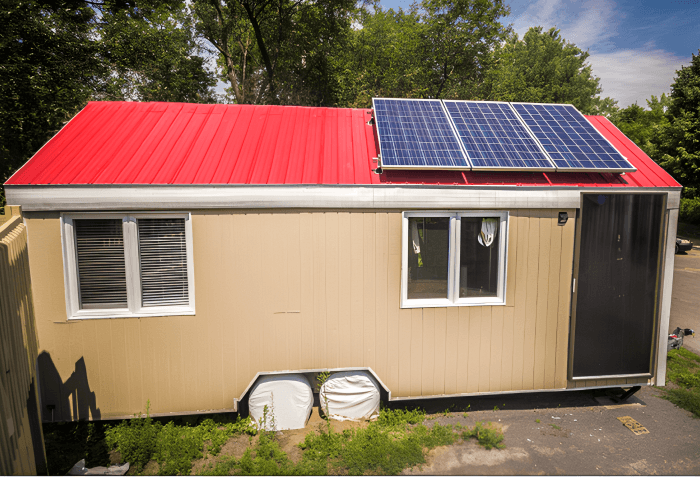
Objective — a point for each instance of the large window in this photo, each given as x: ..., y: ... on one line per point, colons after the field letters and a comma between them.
x: 453, y: 258
x: 120, y: 265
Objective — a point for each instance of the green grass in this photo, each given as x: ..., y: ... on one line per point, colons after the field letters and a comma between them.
x: 487, y: 436
x: 173, y: 446
x: 397, y: 440
x: 683, y: 369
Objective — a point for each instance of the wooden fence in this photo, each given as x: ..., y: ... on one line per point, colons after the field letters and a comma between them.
x: 21, y: 439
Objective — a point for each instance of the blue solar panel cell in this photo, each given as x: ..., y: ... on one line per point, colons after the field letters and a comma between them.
x: 495, y: 138
x: 569, y: 139
x: 417, y: 134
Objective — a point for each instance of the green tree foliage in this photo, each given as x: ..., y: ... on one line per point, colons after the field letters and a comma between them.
x: 152, y: 54
x: 49, y: 67
x: 681, y: 141
x: 435, y: 49
x: 544, y: 68
x: 276, y: 51
x: 56, y: 55
x: 645, y: 127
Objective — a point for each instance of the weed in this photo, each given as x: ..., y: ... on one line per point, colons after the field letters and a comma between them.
x: 487, y: 436
x: 683, y: 369
x: 466, y: 414
x: 399, y: 418
x: 135, y: 439
x: 686, y: 399
x: 68, y: 442
x: 495, y: 408
x: 554, y: 426
x: 174, y: 447
x: 537, y: 421
x: 321, y: 378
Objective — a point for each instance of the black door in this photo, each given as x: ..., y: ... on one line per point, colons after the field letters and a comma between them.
x: 618, y: 283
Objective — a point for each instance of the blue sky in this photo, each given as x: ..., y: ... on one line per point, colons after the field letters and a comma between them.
x: 636, y: 46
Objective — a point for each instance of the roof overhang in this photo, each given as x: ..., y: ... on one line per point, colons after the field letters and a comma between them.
x: 190, y: 197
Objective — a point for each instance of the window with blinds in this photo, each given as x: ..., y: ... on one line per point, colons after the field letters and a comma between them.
x: 99, y: 247
x: 121, y: 265
x: 163, y: 262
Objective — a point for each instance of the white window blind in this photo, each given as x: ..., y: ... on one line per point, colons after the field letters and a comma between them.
x: 101, y: 264
x: 126, y: 265
x: 163, y: 262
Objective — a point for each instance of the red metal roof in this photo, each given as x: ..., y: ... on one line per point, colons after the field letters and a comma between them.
x: 176, y: 143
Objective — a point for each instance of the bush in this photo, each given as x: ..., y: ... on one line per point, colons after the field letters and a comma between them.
x: 487, y: 436
x: 174, y: 447
x: 399, y: 418
x: 690, y: 211
x: 135, y: 439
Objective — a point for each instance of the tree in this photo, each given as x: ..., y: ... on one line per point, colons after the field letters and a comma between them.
x: 276, y: 51
x: 645, y: 127
x: 544, y: 68
x: 153, y: 55
x: 681, y: 142
x: 435, y: 49
x: 49, y: 66
x: 382, y: 58
x: 457, y: 41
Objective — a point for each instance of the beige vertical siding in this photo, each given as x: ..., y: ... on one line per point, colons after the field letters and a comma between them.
x: 21, y: 439
x: 295, y: 290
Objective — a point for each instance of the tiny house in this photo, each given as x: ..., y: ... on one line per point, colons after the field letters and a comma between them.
x: 179, y: 252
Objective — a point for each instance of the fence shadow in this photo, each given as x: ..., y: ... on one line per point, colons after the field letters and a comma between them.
x: 69, y: 400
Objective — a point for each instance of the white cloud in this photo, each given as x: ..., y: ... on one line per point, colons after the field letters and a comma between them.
x: 585, y: 24
x: 631, y: 76
x: 596, y: 22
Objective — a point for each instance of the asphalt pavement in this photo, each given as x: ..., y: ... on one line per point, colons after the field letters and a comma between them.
x: 578, y: 433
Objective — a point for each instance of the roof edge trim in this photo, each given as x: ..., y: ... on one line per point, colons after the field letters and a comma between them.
x: 71, y: 198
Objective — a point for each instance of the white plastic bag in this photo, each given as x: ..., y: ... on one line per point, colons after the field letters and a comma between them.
x: 489, y: 228
x: 289, y: 400
x: 350, y: 395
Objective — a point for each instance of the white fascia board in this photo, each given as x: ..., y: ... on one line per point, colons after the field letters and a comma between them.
x: 666, y: 291
x: 185, y: 197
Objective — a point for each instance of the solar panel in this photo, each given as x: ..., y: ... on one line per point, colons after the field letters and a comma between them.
x: 495, y: 138
x: 570, y: 140
x: 417, y: 134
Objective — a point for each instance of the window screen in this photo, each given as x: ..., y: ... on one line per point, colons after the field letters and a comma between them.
x: 163, y: 262
x: 101, y: 264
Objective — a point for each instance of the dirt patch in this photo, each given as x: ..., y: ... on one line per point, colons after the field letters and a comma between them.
x: 457, y: 458
x: 557, y: 431
x: 288, y: 440
x: 115, y: 457
x: 235, y: 447
x: 152, y: 468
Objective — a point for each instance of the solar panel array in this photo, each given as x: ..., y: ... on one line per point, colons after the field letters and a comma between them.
x: 494, y: 137
x: 569, y: 139
x: 489, y: 135
x: 417, y: 134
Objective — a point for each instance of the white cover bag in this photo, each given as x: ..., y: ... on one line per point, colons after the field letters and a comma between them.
x: 350, y: 396
x: 288, y: 397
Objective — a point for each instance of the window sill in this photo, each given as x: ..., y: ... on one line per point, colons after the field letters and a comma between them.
x: 111, y: 314
x: 446, y: 304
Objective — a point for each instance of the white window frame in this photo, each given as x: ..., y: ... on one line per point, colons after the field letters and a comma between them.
x: 453, y: 261
x: 132, y: 264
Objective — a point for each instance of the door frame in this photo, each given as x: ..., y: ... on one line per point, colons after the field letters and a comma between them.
x: 660, y: 264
